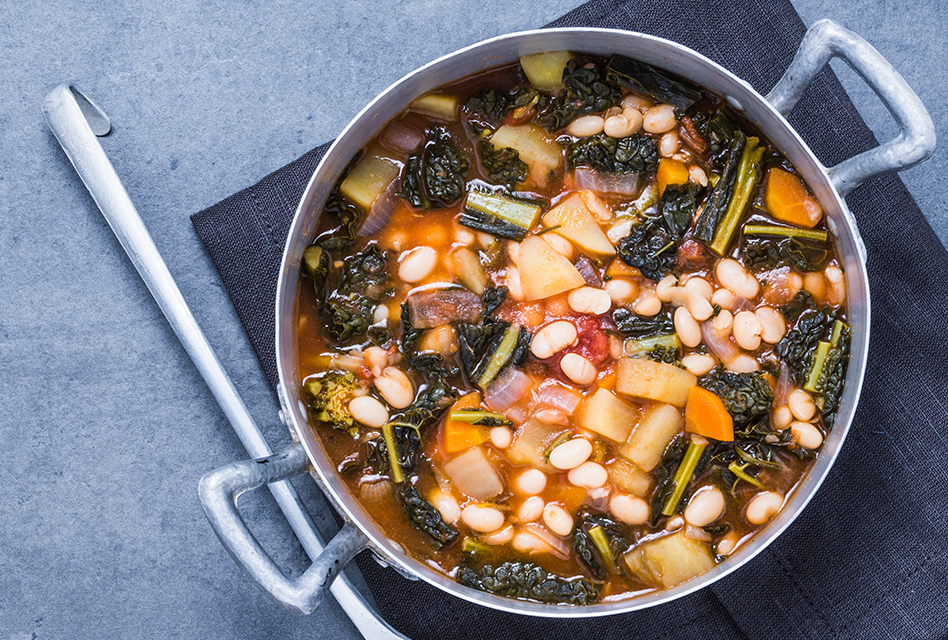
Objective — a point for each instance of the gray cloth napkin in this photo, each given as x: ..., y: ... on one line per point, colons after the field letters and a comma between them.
x: 868, y: 557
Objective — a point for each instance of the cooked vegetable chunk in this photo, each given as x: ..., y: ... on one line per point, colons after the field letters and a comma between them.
x: 545, y: 70
x: 474, y: 475
x: 654, y: 381
x: 544, y: 272
x: 670, y: 560
x: 788, y: 200
x: 651, y: 436
x: 573, y: 220
x: 607, y: 415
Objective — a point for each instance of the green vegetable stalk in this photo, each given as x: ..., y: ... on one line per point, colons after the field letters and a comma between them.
x: 788, y: 232
x: 744, y: 186
x: 500, y: 356
x: 388, y: 432
x: 683, y: 476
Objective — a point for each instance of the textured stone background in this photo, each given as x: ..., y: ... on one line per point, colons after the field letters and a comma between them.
x: 105, y: 424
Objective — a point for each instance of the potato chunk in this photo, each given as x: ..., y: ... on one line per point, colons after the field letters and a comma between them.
x: 531, y: 442
x: 544, y: 272
x: 577, y: 223
x: 607, y: 415
x: 651, y: 436
x: 651, y: 380
x: 474, y: 475
x: 670, y: 560
x: 536, y: 147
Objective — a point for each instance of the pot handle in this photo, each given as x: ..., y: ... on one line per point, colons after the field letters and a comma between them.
x: 916, y: 140
x: 219, y: 491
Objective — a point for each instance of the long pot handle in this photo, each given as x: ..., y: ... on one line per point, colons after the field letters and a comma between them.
x: 916, y: 140
x: 219, y: 491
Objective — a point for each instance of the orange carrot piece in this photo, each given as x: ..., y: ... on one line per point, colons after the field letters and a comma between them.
x: 706, y: 415
x: 787, y: 199
x: 670, y: 172
x: 458, y: 436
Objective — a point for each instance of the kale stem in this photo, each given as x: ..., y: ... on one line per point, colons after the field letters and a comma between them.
x: 599, y: 538
x: 500, y: 356
x: 477, y: 417
x: 642, y: 346
x: 683, y: 476
x: 821, y: 352
x: 788, y: 232
x: 743, y: 189
x: 388, y: 432
x: 738, y: 470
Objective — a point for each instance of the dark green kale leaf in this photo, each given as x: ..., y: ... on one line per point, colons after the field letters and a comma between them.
x: 833, y: 375
x: 529, y: 581
x: 432, y: 366
x: 600, y: 550
x: 633, y: 325
x: 747, y: 396
x: 647, y: 80
x: 721, y: 193
x: 650, y: 248
x: 805, y: 255
x: 434, y: 178
x: 407, y: 439
x: 476, y: 343
x: 426, y: 518
x: 429, y: 405
x: 637, y: 153
x: 503, y: 165
x: 493, y: 298
x: 363, y: 282
x: 798, y: 346
x: 410, y: 334
x: 587, y: 91
x: 489, y: 106
x: 664, y: 475
x: 348, y: 214
x: 678, y: 207
x: 667, y: 355
x: 718, y: 128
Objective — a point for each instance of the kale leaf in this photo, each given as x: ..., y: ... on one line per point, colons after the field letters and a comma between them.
x: 722, y: 192
x: 529, y: 581
x: 798, y: 346
x: 747, y: 396
x: 363, y: 282
x: 800, y: 303
x: 502, y: 165
x: 494, y: 297
x: 650, y: 248
x: 587, y: 91
x: 434, y: 178
x: 426, y: 518
x: 759, y: 253
x: 613, y: 540
x: 678, y: 207
x: 635, y: 326
x: 637, y: 153
x: 647, y: 80
x: 488, y: 106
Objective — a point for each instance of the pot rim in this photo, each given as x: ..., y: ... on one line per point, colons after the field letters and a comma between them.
x: 653, y: 50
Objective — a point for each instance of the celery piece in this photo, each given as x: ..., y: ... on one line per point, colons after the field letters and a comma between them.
x: 641, y: 346
x: 500, y: 356
x: 683, y: 476
x: 516, y: 216
x: 787, y: 232
x: 744, y: 187
x: 821, y: 351
x: 388, y: 432
x: 475, y: 547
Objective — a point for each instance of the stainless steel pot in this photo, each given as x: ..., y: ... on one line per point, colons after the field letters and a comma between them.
x: 831, y: 184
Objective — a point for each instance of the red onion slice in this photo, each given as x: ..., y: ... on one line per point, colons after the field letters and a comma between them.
x: 557, y: 545
x: 784, y: 386
x: 381, y: 211
x: 401, y: 137
x: 718, y: 344
x: 558, y: 397
x: 507, y: 389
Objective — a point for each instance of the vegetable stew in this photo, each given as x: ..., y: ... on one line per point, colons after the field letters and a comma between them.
x: 572, y: 329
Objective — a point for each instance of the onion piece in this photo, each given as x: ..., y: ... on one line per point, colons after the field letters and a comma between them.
x: 557, y: 546
x: 401, y: 137
x: 623, y: 184
x: 784, y: 386
x: 381, y: 210
x: 507, y: 389
x: 718, y: 344
x: 558, y: 397
x: 697, y: 533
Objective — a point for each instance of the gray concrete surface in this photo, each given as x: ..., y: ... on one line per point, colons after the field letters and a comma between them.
x: 105, y: 425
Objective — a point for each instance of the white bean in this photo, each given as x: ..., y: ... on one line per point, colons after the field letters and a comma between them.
x: 560, y: 244
x: 723, y: 322
x: 732, y: 274
x: 618, y: 126
x: 501, y: 536
x: 571, y: 454
x: 417, y: 264
x: 500, y: 437
x: 446, y: 504
x: 376, y: 359
x: 806, y: 435
x: 705, y: 506
x: 697, y: 175
x: 619, y: 230
x: 687, y: 329
x: 589, y: 300
x: 700, y: 286
x: 815, y: 284
x: 698, y: 306
x: 481, y: 518
x: 464, y: 236
x: 698, y: 363
x: 742, y: 364
x: 773, y: 323
x: 530, y: 482
x: 586, y: 126
x: 630, y: 509
x: 368, y: 411
x: 557, y: 519
x: 553, y: 338
x: 529, y: 543
x: 647, y: 304
x: 659, y: 119
x: 380, y: 314
x: 636, y: 102
x: 763, y: 507
x: 836, y: 285
x: 531, y: 509
x: 726, y: 544
x: 782, y: 418
x: 395, y: 387
x: 513, y: 251
x: 512, y: 280
x: 578, y: 369
x: 746, y: 330
x: 591, y: 475
x: 801, y: 405
x: 620, y: 290
x: 668, y: 144
x: 723, y: 298
x: 634, y: 117
x: 552, y: 416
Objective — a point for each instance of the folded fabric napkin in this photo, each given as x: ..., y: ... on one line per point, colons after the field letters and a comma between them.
x: 868, y: 558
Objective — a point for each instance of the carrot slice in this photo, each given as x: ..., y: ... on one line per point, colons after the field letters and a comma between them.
x: 670, y: 172
x: 458, y: 436
x: 788, y: 200
x: 706, y: 415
